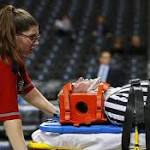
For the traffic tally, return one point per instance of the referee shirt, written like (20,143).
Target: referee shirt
(116,101)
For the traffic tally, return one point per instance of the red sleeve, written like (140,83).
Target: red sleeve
(28,85)
(8,94)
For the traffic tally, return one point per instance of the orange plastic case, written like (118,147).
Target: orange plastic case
(82,108)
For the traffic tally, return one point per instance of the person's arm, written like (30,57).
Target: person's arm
(35,98)
(32,95)
(9,112)
(15,134)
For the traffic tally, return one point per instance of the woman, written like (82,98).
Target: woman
(19,34)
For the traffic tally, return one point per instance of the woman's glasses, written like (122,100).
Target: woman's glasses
(34,38)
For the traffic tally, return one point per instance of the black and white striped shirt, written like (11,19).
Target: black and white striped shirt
(116,101)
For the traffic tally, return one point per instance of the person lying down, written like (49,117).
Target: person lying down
(115,106)
(115,98)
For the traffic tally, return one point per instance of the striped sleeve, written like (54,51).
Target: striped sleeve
(116,101)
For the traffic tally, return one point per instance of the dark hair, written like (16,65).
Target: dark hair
(13,21)
(105,51)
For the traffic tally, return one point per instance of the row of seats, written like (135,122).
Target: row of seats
(59,59)
(53,50)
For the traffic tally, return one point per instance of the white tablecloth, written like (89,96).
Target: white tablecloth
(84,141)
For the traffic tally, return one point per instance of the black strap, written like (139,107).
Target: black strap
(134,112)
(127,126)
(147,119)
(139,105)
(15,67)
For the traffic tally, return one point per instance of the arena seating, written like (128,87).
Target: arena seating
(125,18)
(60,59)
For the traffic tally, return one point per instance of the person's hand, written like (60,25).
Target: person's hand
(85,85)
(56,111)
(78,81)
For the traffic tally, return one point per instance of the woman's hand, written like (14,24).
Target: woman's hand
(56,111)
